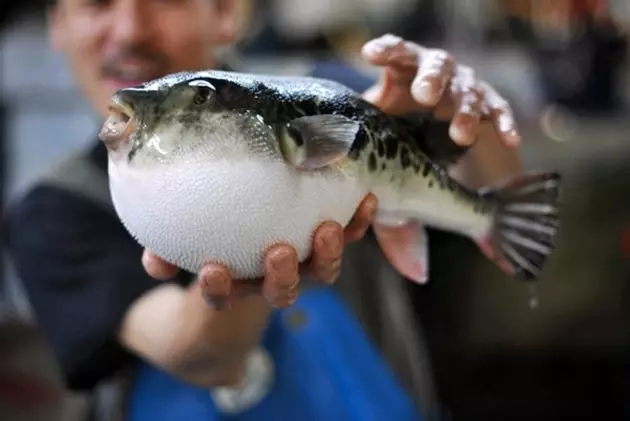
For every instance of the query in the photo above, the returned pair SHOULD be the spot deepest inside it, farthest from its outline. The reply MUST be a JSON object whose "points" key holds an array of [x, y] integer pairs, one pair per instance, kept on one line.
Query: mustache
{"points": [[151, 61]]}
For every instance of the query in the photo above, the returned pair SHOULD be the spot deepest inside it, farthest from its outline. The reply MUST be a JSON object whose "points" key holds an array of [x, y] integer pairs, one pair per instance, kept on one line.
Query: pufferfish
{"points": [[216, 167]]}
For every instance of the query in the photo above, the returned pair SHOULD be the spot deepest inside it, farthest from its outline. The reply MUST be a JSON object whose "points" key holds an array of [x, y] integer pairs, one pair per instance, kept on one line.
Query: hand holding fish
{"points": [[282, 272], [417, 78], [288, 161]]}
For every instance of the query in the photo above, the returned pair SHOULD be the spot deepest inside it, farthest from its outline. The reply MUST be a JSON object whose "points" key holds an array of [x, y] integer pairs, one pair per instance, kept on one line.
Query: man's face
{"points": [[112, 44]]}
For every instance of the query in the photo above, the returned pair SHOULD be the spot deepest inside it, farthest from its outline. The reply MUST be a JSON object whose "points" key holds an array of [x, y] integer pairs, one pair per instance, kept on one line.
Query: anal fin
{"points": [[404, 244]]}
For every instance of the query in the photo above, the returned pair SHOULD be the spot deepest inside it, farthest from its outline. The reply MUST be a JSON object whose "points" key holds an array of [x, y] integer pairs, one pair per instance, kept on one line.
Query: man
{"points": [[82, 271]]}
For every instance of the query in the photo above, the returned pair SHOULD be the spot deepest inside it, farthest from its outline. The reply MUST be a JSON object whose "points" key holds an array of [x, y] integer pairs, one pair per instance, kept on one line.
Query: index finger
{"points": [[428, 71], [158, 268], [390, 50]]}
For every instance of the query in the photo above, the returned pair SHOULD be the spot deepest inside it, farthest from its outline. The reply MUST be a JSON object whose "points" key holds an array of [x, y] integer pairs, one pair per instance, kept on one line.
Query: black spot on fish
{"points": [[426, 169], [430, 183], [360, 143], [391, 147], [383, 166], [372, 162], [380, 148], [308, 107], [404, 158], [296, 135]]}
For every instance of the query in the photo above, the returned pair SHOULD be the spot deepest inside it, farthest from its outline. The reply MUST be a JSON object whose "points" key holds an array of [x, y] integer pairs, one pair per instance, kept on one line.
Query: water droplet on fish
{"points": [[533, 297]]}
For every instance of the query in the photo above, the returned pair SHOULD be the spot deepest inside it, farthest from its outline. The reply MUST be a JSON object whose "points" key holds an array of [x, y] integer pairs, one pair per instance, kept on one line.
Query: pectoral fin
{"points": [[317, 141], [404, 244]]}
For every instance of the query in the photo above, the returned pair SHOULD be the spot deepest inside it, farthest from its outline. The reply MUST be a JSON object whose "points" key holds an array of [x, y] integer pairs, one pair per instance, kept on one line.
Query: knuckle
{"points": [[413, 48], [468, 108], [390, 40], [465, 79], [385, 44], [474, 96], [442, 57], [290, 282], [437, 65], [432, 73]]}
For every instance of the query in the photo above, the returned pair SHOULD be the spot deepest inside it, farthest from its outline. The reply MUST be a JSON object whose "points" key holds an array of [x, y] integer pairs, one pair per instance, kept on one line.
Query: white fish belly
{"points": [[228, 212]]}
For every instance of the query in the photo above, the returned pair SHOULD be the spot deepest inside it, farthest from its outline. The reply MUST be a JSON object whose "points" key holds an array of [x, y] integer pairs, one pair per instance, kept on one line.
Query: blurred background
{"points": [[562, 65]]}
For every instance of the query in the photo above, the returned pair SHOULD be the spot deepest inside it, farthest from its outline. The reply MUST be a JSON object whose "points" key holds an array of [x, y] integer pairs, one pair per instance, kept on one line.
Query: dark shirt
{"points": [[81, 270]]}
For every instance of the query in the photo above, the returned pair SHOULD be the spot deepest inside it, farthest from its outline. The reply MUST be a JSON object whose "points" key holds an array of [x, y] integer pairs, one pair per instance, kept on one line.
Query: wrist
{"points": [[217, 342]]}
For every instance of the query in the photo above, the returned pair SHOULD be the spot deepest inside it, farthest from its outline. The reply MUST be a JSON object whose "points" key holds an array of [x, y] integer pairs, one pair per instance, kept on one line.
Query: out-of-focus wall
{"points": [[47, 117]]}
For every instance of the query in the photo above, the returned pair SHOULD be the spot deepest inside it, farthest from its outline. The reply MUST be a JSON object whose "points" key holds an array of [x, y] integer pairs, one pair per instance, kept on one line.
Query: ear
{"points": [[56, 29]]}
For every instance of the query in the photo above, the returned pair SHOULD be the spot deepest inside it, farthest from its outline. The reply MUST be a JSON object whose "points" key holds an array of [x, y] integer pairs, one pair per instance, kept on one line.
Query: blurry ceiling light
{"points": [[557, 123]]}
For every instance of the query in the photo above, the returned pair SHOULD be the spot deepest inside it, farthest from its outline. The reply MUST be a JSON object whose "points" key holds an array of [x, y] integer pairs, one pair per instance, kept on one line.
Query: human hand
{"points": [[415, 78], [282, 271]]}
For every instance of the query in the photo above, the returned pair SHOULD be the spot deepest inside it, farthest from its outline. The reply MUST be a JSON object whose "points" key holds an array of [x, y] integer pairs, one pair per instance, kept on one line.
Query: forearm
{"points": [[489, 161], [175, 329]]}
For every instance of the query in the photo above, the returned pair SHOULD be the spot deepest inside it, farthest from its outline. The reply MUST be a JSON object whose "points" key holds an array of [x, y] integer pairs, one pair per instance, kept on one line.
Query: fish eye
{"points": [[204, 91]]}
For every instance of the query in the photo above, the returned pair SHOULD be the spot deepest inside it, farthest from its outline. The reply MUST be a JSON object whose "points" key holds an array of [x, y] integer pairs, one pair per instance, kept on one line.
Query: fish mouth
{"points": [[119, 125]]}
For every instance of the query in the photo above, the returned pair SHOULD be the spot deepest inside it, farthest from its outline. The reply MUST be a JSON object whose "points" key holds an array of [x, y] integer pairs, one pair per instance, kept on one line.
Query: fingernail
{"points": [[423, 92], [280, 260], [373, 48], [461, 133], [512, 138], [331, 241]]}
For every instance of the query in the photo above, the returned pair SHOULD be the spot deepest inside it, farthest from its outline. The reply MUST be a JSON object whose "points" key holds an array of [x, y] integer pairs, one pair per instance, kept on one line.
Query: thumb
{"points": [[374, 94]]}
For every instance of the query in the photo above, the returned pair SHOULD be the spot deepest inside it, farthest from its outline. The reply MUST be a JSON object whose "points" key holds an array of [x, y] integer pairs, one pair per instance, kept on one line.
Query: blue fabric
{"points": [[326, 368]]}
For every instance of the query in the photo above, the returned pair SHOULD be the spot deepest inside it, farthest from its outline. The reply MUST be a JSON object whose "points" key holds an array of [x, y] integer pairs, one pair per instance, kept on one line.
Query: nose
{"points": [[120, 123], [133, 22]]}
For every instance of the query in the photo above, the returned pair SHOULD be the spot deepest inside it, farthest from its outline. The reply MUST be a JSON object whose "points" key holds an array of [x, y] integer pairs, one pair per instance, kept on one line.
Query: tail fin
{"points": [[526, 223]]}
